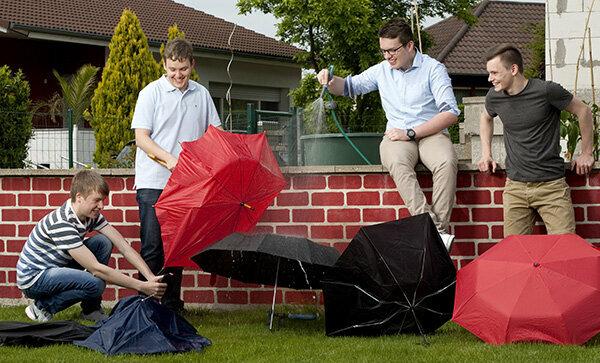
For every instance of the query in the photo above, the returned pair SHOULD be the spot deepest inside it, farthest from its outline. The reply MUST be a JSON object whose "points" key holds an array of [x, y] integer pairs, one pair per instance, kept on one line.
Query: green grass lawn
{"points": [[243, 336]]}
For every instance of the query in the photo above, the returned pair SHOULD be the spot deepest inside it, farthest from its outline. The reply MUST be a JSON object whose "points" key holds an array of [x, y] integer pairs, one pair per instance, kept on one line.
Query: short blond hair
{"points": [[86, 181]]}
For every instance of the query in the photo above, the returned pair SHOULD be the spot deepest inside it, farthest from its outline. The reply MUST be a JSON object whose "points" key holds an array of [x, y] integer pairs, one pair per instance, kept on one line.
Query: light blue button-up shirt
{"points": [[409, 98]]}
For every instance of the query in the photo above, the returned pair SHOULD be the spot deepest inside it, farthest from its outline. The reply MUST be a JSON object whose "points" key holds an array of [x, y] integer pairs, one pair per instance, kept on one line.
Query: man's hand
{"points": [[583, 164], [171, 163], [396, 134], [154, 287], [484, 164]]}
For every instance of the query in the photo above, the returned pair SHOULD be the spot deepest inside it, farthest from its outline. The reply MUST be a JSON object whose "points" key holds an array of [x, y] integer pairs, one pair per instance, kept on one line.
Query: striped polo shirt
{"points": [[48, 244]]}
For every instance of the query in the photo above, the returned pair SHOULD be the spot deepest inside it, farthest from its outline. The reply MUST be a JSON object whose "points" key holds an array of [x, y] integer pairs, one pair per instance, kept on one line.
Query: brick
{"points": [[123, 264], [575, 180], [31, 200], [425, 180], [497, 232], [12, 276], [8, 200], [123, 293], [300, 297], [460, 215], [199, 296], [463, 180], [309, 182], [487, 214], [484, 246], [15, 245], [579, 214], [115, 184], [38, 214], [232, 297], [485, 180], [539, 229], [308, 215], [123, 200], [378, 214], [109, 294], [471, 232], [210, 280], [343, 215], [130, 184], [25, 229], [344, 182], [57, 199], [351, 231], [10, 292], [265, 297], [16, 183], [392, 198], [262, 229], [327, 232], [585, 196], [3, 278], [327, 199], [276, 215], [113, 215], [46, 184], [129, 231], [241, 284], [67, 183], [498, 197], [588, 230], [22, 215], [132, 216], [465, 261], [8, 230], [9, 261], [188, 280], [292, 199], [593, 213], [300, 231], [403, 213], [379, 181], [362, 198], [473, 197], [463, 249], [594, 179]]}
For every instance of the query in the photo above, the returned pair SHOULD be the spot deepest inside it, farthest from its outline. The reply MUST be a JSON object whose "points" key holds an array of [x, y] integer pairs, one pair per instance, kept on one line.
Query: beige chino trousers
{"points": [[436, 152]]}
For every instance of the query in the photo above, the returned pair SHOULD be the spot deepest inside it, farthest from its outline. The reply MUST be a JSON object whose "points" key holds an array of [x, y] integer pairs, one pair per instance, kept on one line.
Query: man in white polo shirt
{"points": [[170, 110]]}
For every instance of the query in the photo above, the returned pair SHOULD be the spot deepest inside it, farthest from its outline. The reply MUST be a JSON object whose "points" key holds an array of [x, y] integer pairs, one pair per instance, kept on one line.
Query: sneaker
{"points": [[447, 239], [36, 314], [95, 316]]}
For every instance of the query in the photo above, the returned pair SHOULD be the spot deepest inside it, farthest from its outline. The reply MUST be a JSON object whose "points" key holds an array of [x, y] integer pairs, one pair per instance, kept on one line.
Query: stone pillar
{"points": [[473, 108]]}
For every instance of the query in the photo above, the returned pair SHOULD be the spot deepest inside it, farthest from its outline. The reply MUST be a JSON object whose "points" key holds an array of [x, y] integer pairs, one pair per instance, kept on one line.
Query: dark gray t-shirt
{"points": [[531, 122]]}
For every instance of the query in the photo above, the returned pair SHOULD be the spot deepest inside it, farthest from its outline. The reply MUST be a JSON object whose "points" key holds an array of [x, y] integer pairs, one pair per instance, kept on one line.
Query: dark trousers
{"points": [[152, 247]]}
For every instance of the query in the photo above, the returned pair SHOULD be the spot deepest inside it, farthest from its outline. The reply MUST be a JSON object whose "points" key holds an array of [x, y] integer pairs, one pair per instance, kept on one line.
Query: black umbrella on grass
{"points": [[269, 259]]}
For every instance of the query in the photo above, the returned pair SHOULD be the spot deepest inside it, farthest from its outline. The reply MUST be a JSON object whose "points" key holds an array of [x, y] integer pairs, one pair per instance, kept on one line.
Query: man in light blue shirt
{"points": [[419, 104], [169, 111]]}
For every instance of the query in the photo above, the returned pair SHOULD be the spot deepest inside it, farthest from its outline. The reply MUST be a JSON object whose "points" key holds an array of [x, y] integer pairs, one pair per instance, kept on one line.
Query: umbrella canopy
{"points": [[531, 288], [269, 259], [141, 325], [41, 334], [393, 277], [222, 184]]}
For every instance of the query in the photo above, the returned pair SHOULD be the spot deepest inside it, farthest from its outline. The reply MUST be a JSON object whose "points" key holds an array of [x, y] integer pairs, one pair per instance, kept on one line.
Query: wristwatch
{"points": [[412, 135]]}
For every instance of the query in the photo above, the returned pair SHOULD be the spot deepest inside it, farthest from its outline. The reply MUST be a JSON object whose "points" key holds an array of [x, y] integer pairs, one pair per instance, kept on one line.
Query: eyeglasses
{"points": [[391, 51]]}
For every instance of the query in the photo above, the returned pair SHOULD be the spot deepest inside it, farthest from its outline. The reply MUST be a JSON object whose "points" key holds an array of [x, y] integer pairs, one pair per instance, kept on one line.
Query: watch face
{"points": [[410, 133]]}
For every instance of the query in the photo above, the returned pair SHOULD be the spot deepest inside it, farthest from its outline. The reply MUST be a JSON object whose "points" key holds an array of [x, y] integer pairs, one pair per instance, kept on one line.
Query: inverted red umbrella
{"points": [[222, 184], [531, 288]]}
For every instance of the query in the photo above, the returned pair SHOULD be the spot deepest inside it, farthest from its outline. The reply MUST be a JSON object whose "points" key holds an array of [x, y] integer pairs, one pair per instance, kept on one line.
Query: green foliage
{"points": [[77, 91], [344, 33], [129, 68], [454, 129], [537, 67], [175, 32], [15, 118], [570, 132]]}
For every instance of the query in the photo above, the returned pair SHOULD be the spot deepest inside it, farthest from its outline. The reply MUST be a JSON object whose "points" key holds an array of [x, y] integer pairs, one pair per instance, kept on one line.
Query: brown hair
{"points": [[396, 28], [508, 53], [178, 49], [86, 182]]}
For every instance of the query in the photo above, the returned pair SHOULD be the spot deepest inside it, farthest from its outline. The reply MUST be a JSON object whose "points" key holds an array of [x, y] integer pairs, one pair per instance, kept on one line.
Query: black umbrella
{"points": [[141, 325], [270, 259], [41, 334], [394, 277]]}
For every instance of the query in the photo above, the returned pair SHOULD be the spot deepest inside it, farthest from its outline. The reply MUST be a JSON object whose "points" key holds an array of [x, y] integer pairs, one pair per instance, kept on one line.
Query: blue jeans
{"points": [[60, 287], [152, 247]]}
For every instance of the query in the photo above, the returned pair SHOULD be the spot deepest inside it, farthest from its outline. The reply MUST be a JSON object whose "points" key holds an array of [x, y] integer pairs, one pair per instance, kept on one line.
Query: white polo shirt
{"points": [[172, 117]]}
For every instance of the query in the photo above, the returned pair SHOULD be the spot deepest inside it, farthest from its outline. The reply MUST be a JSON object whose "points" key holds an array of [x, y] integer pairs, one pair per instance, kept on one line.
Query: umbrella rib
{"points": [[435, 293], [421, 274], [380, 302], [371, 324]]}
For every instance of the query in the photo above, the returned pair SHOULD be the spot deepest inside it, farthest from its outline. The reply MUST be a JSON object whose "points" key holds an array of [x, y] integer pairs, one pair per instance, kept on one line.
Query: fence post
{"points": [[299, 126], [70, 135], [251, 119], [292, 140]]}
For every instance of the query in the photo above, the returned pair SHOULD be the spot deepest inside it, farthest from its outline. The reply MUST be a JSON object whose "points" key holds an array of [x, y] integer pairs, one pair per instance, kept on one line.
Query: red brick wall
{"points": [[328, 208]]}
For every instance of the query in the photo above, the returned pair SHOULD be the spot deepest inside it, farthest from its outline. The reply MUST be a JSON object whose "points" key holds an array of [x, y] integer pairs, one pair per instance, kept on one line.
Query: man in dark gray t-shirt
{"points": [[530, 113]]}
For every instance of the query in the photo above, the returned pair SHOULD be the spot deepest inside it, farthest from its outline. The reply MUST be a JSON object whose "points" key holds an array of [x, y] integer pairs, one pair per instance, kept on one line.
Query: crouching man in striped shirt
{"points": [[58, 267]]}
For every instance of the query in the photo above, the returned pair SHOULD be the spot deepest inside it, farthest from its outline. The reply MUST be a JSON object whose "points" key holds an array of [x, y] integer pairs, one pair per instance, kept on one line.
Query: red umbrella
{"points": [[531, 288], [222, 184]]}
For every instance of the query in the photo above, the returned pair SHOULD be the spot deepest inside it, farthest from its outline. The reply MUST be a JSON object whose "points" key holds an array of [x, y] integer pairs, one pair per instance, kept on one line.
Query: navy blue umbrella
{"points": [[141, 325]]}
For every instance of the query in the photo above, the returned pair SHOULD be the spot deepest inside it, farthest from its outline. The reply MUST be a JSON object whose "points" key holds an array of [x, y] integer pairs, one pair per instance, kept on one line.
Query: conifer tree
{"points": [[129, 68], [15, 118], [174, 33]]}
